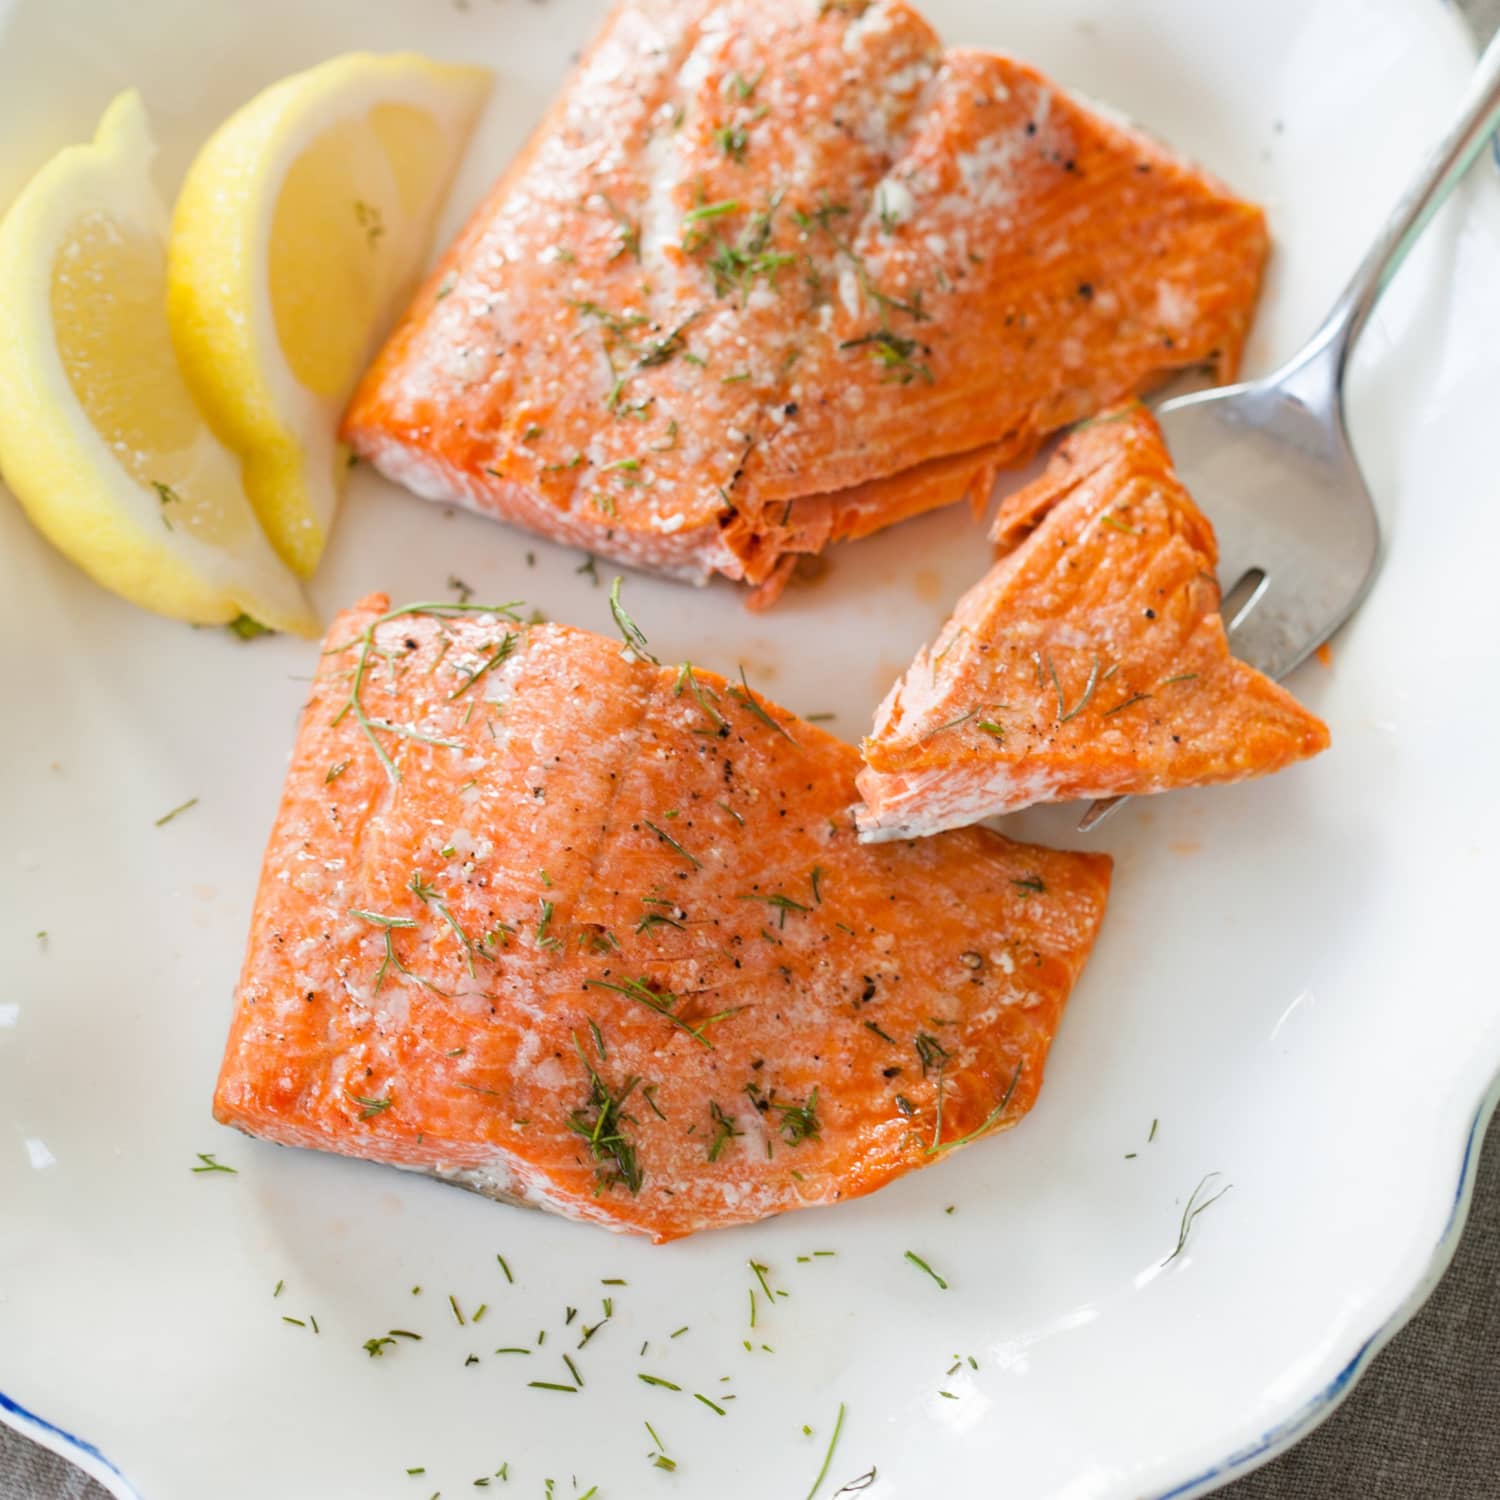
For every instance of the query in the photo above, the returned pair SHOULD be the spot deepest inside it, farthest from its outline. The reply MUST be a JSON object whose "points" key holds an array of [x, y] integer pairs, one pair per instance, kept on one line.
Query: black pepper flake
{"points": [[1086, 290], [1150, 614]]}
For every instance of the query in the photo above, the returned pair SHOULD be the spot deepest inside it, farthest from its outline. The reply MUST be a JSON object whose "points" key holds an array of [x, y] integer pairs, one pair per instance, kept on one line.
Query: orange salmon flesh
{"points": [[771, 276], [571, 929], [1090, 661]]}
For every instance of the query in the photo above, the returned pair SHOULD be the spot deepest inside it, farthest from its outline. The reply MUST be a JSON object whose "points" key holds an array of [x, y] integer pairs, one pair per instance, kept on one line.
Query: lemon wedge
{"points": [[100, 438], [298, 234]]}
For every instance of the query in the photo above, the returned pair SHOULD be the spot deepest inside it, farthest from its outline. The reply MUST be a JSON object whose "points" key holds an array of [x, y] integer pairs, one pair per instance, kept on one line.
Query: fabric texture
{"points": [[1422, 1424]]}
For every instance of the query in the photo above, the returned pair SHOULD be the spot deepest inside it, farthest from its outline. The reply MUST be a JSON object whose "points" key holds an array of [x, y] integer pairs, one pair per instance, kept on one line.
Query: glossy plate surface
{"points": [[1293, 980]]}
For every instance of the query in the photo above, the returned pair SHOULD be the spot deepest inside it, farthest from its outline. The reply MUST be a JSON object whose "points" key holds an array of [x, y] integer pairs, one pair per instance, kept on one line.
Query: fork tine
{"points": [[1098, 811]]}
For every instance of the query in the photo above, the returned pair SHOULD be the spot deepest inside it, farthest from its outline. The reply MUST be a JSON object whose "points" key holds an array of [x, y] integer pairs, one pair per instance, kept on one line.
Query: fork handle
{"points": [[1428, 191]]}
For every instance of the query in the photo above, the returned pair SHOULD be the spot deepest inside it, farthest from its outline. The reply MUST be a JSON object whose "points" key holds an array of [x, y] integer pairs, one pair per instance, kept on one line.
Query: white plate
{"points": [[1293, 979]]}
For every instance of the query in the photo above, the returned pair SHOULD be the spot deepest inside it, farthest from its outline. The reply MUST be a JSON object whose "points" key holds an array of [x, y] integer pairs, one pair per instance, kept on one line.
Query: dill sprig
{"points": [[428, 893], [1191, 1212], [989, 1122], [441, 609], [1064, 713], [635, 640], [744, 695], [930, 1051], [660, 1001], [389, 926], [686, 677], [208, 1163], [502, 651]]}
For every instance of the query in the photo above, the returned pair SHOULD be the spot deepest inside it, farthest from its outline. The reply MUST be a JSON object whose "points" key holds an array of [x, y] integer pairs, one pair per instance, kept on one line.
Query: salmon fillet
{"points": [[1090, 661], [759, 259], [549, 921]]}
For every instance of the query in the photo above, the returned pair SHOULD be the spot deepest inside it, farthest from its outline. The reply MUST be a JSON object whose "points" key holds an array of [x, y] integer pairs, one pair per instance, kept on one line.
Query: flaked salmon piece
{"points": [[1090, 661], [760, 260], [552, 922]]}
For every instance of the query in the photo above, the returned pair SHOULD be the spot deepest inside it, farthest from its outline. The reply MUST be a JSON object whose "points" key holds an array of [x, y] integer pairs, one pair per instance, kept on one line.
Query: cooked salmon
{"points": [[1090, 661], [759, 261], [566, 927]]}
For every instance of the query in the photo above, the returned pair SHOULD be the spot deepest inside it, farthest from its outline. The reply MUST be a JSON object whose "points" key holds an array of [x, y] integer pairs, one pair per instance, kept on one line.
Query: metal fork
{"points": [[1269, 460]]}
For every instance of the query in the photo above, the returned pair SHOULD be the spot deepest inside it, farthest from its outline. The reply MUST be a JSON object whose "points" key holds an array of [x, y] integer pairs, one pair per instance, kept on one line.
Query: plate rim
{"points": [[92, 1461]]}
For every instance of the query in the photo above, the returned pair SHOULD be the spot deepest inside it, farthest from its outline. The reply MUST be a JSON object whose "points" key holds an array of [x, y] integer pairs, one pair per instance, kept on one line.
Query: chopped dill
{"points": [[922, 1265], [783, 904], [667, 838], [247, 629], [208, 1163], [724, 1130], [601, 1121], [167, 817], [799, 1122], [733, 141], [895, 354], [371, 1107], [833, 1442]]}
